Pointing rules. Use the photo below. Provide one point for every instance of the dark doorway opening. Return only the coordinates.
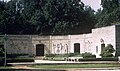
(77, 48)
(102, 47)
(40, 50)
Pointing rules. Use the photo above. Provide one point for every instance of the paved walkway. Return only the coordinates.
(46, 61)
(26, 64)
(60, 62)
(68, 69)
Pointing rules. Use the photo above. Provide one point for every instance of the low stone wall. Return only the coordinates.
(26, 44)
(18, 44)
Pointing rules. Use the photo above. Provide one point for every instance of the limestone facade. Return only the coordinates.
(91, 42)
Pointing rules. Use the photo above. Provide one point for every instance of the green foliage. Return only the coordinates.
(54, 58)
(74, 55)
(45, 17)
(110, 14)
(18, 56)
(99, 59)
(63, 55)
(1, 50)
(88, 55)
(49, 55)
(1, 40)
(107, 51)
(1, 45)
(20, 60)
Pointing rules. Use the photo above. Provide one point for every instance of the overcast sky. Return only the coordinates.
(95, 4)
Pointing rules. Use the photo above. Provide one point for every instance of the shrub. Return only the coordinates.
(31, 55)
(1, 49)
(99, 59)
(71, 54)
(63, 55)
(88, 55)
(17, 55)
(74, 54)
(1, 61)
(20, 59)
(107, 51)
(49, 55)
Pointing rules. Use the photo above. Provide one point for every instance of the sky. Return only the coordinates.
(95, 4)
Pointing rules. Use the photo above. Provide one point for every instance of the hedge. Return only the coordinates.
(20, 60)
(1, 61)
(17, 55)
(99, 59)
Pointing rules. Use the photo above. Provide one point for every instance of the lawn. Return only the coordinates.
(2, 67)
(77, 66)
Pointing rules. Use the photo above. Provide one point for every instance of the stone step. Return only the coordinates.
(39, 58)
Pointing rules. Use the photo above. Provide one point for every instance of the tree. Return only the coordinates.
(2, 16)
(89, 18)
(59, 17)
(110, 14)
(1, 46)
(13, 21)
(107, 51)
(46, 17)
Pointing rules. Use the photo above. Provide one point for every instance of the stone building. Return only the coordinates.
(41, 45)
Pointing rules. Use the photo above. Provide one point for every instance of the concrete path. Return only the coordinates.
(26, 64)
(40, 62)
(67, 69)
(46, 61)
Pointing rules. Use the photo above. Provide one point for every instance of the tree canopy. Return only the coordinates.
(110, 14)
(46, 17)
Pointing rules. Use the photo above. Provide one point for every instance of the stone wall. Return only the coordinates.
(26, 44)
(84, 40)
(17, 44)
(45, 40)
(77, 39)
(60, 44)
(102, 35)
(88, 43)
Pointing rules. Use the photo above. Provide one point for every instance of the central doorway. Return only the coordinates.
(77, 48)
(40, 50)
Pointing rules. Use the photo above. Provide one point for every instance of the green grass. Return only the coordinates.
(2, 67)
(55, 58)
(77, 66)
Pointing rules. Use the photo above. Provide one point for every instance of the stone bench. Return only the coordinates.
(73, 58)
